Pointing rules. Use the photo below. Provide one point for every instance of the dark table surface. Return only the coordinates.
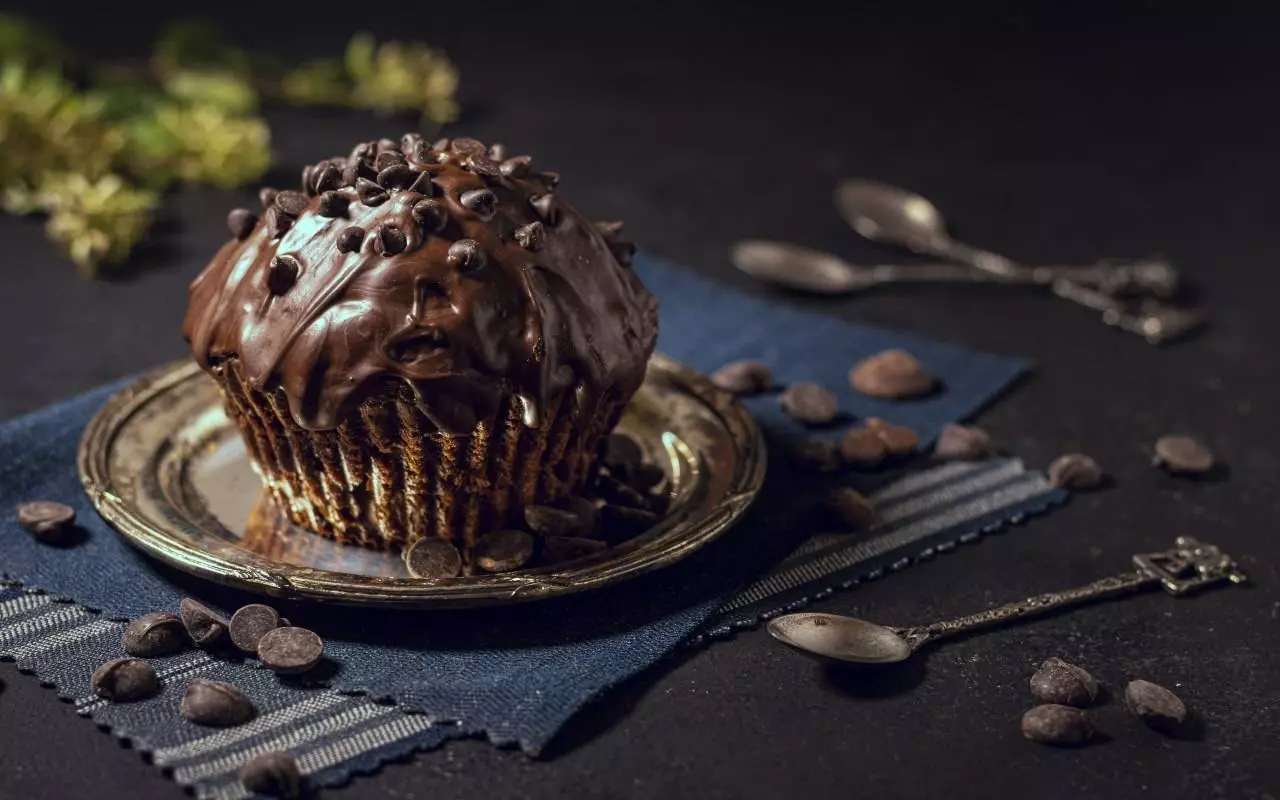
(1060, 137)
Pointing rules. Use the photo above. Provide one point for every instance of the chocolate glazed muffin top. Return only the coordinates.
(450, 266)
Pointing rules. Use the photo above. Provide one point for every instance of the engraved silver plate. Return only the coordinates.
(166, 468)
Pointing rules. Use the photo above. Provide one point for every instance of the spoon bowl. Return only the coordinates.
(837, 638)
(884, 213)
(798, 268)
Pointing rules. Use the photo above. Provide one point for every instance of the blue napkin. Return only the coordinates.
(517, 674)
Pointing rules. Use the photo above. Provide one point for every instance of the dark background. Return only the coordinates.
(1050, 134)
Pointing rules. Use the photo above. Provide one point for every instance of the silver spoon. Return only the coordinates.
(1188, 566)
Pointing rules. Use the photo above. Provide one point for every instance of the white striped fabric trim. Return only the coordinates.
(310, 705)
(19, 605)
(916, 481)
(87, 630)
(889, 514)
(51, 616)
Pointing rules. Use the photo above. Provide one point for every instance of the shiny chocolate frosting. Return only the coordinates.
(446, 265)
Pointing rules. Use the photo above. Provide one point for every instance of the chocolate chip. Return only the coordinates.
(1075, 471)
(353, 172)
(397, 176)
(273, 775)
(646, 476)
(552, 521)
(586, 511)
(290, 650)
(250, 623)
(612, 489)
(623, 252)
(124, 680)
(205, 626)
(240, 222)
(1057, 724)
(430, 214)
(332, 204)
(1183, 455)
(497, 151)
(809, 403)
(387, 159)
(621, 455)
(282, 273)
(216, 704)
(433, 559)
(743, 377)
(1063, 683)
(547, 208)
(440, 144)
(267, 196)
(326, 179)
(863, 447)
(278, 222)
(423, 185)
(897, 439)
(962, 443)
(308, 179)
(619, 523)
(370, 193)
(1157, 706)
(383, 145)
(49, 522)
(481, 202)
(850, 508)
(609, 230)
(410, 142)
(350, 239)
(893, 374)
(363, 151)
(531, 236)
(483, 166)
(291, 202)
(820, 455)
(156, 634)
(390, 240)
(467, 146)
(466, 255)
(563, 549)
(515, 167)
(504, 551)
(549, 178)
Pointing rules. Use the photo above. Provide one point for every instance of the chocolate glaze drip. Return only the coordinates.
(460, 307)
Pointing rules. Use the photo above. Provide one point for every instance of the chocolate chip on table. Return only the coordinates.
(216, 704)
(504, 551)
(891, 375)
(619, 523)
(240, 222)
(820, 455)
(48, 521)
(1057, 724)
(250, 623)
(1075, 471)
(621, 455)
(898, 440)
(124, 680)
(552, 521)
(156, 634)
(1063, 683)
(809, 403)
(850, 508)
(203, 624)
(962, 443)
(433, 559)
(863, 447)
(562, 549)
(1157, 706)
(273, 775)
(743, 377)
(290, 650)
(1183, 455)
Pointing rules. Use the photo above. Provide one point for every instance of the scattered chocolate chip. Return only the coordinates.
(370, 193)
(531, 236)
(547, 209)
(898, 440)
(240, 222)
(563, 549)
(613, 489)
(124, 680)
(820, 455)
(383, 145)
(350, 239)
(810, 403)
(291, 202)
(353, 172)
(481, 202)
(250, 623)
(308, 179)
(397, 176)
(850, 508)
(1063, 683)
(364, 151)
(1157, 706)
(282, 273)
(290, 650)
(647, 476)
(586, 511)
(332, 204)
(326, 179)
(267, 196)
(504, 551)
(549, 178)
(203, 624)
(483, 166)
(623, 252)
(893, 374)
(216, 704)
(467, 146)
(743, 377)
(390, 240)
(609, 230)
(440, 144)
(466, 255)
(423, 185)
(863, 447)
(278, 222)
(497, 151)
(1183, 455)
(619, 523)
(49, 522)
(1075, 471)
(433, 559)
(273, 775)
(430, 214)
(552, 521)
(1057, 724)
(156, 634)
(410, 141)
(387, 159)
(621, 454)
(515, 167)
(962, 443)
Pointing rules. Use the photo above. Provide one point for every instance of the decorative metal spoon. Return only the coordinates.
(1190, 565)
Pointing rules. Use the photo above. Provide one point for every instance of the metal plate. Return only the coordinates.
(164, 466)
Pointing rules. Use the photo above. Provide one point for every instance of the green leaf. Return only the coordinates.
(317, 83)
(220, 89)
(123, 100)
(24, 41)
(359, 58)
(195, 43)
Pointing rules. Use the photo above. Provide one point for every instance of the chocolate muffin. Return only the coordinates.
(421, 341)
